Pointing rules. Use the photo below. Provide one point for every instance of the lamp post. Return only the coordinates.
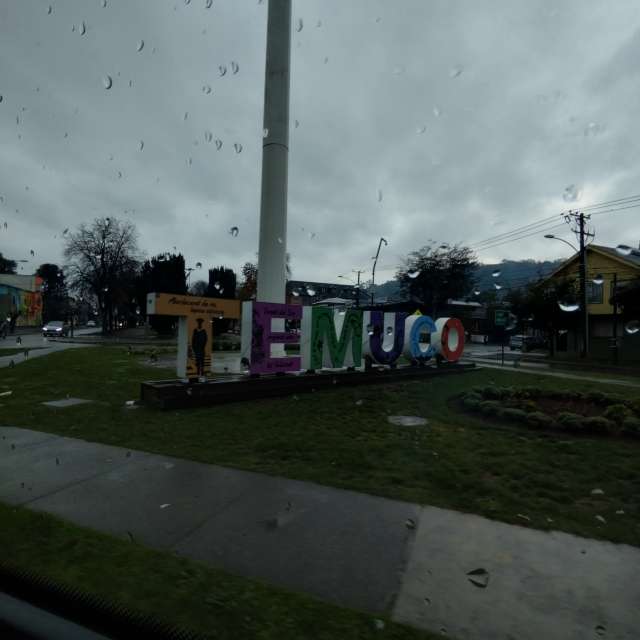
(582, 251)
(375, 262)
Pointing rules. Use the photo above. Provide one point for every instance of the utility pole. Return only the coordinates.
(615, 318)
(275, 156)
(358, 272)
(583, 285)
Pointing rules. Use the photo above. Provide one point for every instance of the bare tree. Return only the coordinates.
(101, 260)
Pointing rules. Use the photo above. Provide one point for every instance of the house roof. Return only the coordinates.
(26, 283)
(632, 260)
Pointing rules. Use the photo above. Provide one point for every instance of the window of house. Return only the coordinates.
(594, 293)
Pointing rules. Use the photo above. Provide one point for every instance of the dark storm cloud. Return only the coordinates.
(470, 117)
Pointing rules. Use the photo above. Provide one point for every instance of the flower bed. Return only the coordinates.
(572, 411)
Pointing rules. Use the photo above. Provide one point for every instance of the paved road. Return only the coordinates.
(356, 550)
(37, 346)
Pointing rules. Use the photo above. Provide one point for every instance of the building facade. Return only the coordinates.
(21, 297)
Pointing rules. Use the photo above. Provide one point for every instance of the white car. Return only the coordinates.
(91, 323)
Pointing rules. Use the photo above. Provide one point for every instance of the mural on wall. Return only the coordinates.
(25, 302)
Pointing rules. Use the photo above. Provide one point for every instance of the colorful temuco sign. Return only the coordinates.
(328, 338)
(332, 338)
(194, 327)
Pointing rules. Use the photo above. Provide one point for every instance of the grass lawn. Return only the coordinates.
(176, 590)
(341, 437)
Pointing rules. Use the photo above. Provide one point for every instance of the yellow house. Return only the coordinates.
(605, 267)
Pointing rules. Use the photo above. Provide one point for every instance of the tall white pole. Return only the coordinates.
(275, 156)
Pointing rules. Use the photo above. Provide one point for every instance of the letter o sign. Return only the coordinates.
(451, 336)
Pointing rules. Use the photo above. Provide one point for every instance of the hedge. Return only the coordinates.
(619, 416)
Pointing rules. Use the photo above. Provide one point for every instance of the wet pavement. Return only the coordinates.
(458, 574)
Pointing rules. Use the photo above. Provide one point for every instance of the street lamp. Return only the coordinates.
(375, 262)
(550, 236)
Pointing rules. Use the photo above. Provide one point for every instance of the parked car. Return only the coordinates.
(91, 323)
(55, 328)
(526, 343)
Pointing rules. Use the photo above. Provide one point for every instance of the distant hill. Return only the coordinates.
(513, 274)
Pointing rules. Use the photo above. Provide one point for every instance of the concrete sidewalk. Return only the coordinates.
(356, 550)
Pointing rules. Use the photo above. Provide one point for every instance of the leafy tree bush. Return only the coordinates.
(539, 420)
(631, 426)
(514, 414)
(598, 424)
(617, 413)
(489, 407)
(570, 421)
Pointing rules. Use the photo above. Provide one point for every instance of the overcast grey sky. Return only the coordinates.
(470, 117)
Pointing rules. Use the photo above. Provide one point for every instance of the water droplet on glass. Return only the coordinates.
(454, 72)
(107, 82)
(187, 1)
(479, 578)
(238, 147)
(218, 144)
(235, 67)
(497, 286)
(295, 293)
(389, 331)
(624, 250)
(104, 3)
(185, 116)
(632, 327)
(206, 89)
(568, 305)
(140, 45)
(208, 136)
(216, 285)
(413, 274)
(49, 10)
(296, 124)
(601, 630)
(234, 231)
(592, 129)
(190, 161)
(1, 98)
(119, 174)
(299, 25)
(311, 292)
(496, 273)
(437, 112)
(265, 133)
(82, 28)
(208, 4)
(571, 193)
(141, 145)
(279, 240)
(421, 129)
(379, 195)
(598, 279)
(370, 329)
(342, 312)
(222, 70)
(326, 59)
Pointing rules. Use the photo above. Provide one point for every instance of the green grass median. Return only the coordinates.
(342, 438)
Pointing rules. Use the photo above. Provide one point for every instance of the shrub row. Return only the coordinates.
(620, 416)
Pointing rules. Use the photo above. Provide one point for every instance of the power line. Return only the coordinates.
(631, 201)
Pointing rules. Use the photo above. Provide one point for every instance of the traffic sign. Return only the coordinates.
(501, 318)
